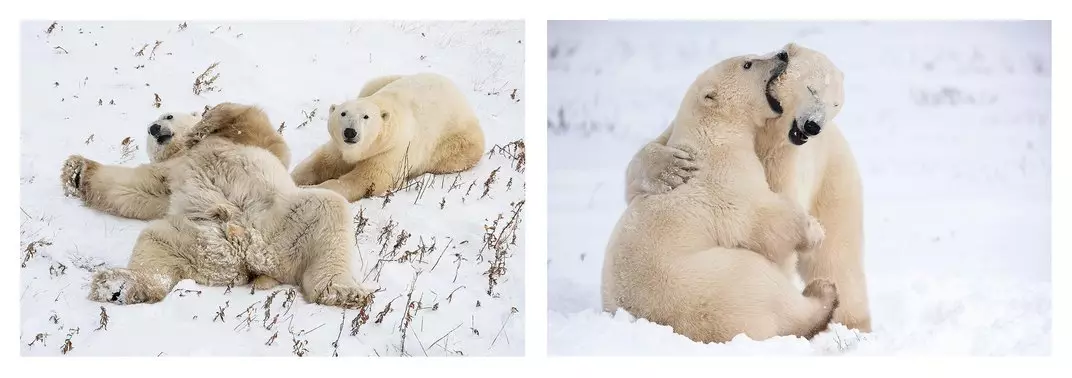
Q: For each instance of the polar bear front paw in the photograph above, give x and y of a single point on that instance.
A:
(664, 168)
(113, 286)
(813, 235)
(72, 176)
(345, 296)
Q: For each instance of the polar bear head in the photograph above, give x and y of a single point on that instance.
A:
(355, 124)
(811, 91)
(164, 129)
(735, 91)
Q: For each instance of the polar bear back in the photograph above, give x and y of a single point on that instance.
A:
(434, 104)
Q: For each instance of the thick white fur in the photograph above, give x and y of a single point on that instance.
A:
(235, 215)
(406, 126)
(701, 258)
(821, 175)
(141, 192)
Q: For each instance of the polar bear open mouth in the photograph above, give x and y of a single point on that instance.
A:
(776, 74)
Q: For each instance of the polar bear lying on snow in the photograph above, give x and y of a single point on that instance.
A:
(398, 128)
(819, 172)
(142, 192)
(703, 257)
(235, 215)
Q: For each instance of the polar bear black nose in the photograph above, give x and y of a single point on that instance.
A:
(784, 56)
(349, 133)
(154, 130)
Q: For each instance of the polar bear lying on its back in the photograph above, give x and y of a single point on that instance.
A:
(398, 128)
(234, 215)
(701, 258)
(142, 192)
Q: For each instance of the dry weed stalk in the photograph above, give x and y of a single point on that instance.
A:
(515, 151)
(127, 148)
(40, 337)
(103, 320)
(499, 240)
(182, 26)
(308, 118)
(51, 28)
(204, 82)
(219, 314)
(152, 54)
(57, 269)
(68, 346)
(31, 249)
(141, 51)
(156, 100)
(411, 311)
(361, 221)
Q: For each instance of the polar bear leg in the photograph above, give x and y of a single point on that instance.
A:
(140, 192)
(324, 164)
(657, 168)
(458, 152)
(369, 178)
(840, 257)
(327, 277)
(781, 227)
(764, 303)
(155, 267)
(374, 85)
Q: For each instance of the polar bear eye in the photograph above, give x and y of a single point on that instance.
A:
(343, 114)
(747, 65)
(365, 117)
(169, 117)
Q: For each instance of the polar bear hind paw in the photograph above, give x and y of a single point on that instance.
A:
(72, 174)
(345, 296)
(113, 286)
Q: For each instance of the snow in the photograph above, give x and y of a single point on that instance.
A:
(950, 126)
(70, 79)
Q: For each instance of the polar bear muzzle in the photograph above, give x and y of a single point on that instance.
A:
(776, 73)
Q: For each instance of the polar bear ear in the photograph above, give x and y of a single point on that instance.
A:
(384, 115)
(331, 109)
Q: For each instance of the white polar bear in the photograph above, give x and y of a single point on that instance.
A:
(142, 192)
(820, 173)
(235, 215)
(398, 128)
(701, 258)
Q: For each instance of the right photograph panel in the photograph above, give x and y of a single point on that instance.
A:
(799, 188)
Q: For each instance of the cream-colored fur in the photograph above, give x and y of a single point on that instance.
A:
(142, 192)
(403, 127)
(701, 258)
(236, 216)
(820, 174)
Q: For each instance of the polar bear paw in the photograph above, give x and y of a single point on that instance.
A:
(345, 296)
(813, 235)
(72, 176)
(664, 168)
(825, 291)
(113, 286)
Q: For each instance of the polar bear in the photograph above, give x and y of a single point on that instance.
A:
(235, 215)
(819, 172)
(142, 192)
(398, 128)
(701, 258)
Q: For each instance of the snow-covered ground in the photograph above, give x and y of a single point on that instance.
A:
(950, 125)
(88, 86)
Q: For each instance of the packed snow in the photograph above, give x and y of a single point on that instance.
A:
(949, 124)
(92, 89)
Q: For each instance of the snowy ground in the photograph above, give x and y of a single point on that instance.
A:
(950, 125)
(88, 86)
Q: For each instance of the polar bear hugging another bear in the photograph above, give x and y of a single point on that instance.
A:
(398, 128)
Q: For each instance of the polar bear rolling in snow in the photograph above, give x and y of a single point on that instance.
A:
(235, 216)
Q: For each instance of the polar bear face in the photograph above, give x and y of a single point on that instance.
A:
(736, 90)
(354, 124)
(811, 90)
(164, 129)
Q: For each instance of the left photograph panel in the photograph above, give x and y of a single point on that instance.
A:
(272, 188)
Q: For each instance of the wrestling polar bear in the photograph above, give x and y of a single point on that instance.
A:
(235, 215)
(703, 257)
(142, 192)
(398, 128)
(819, 172)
